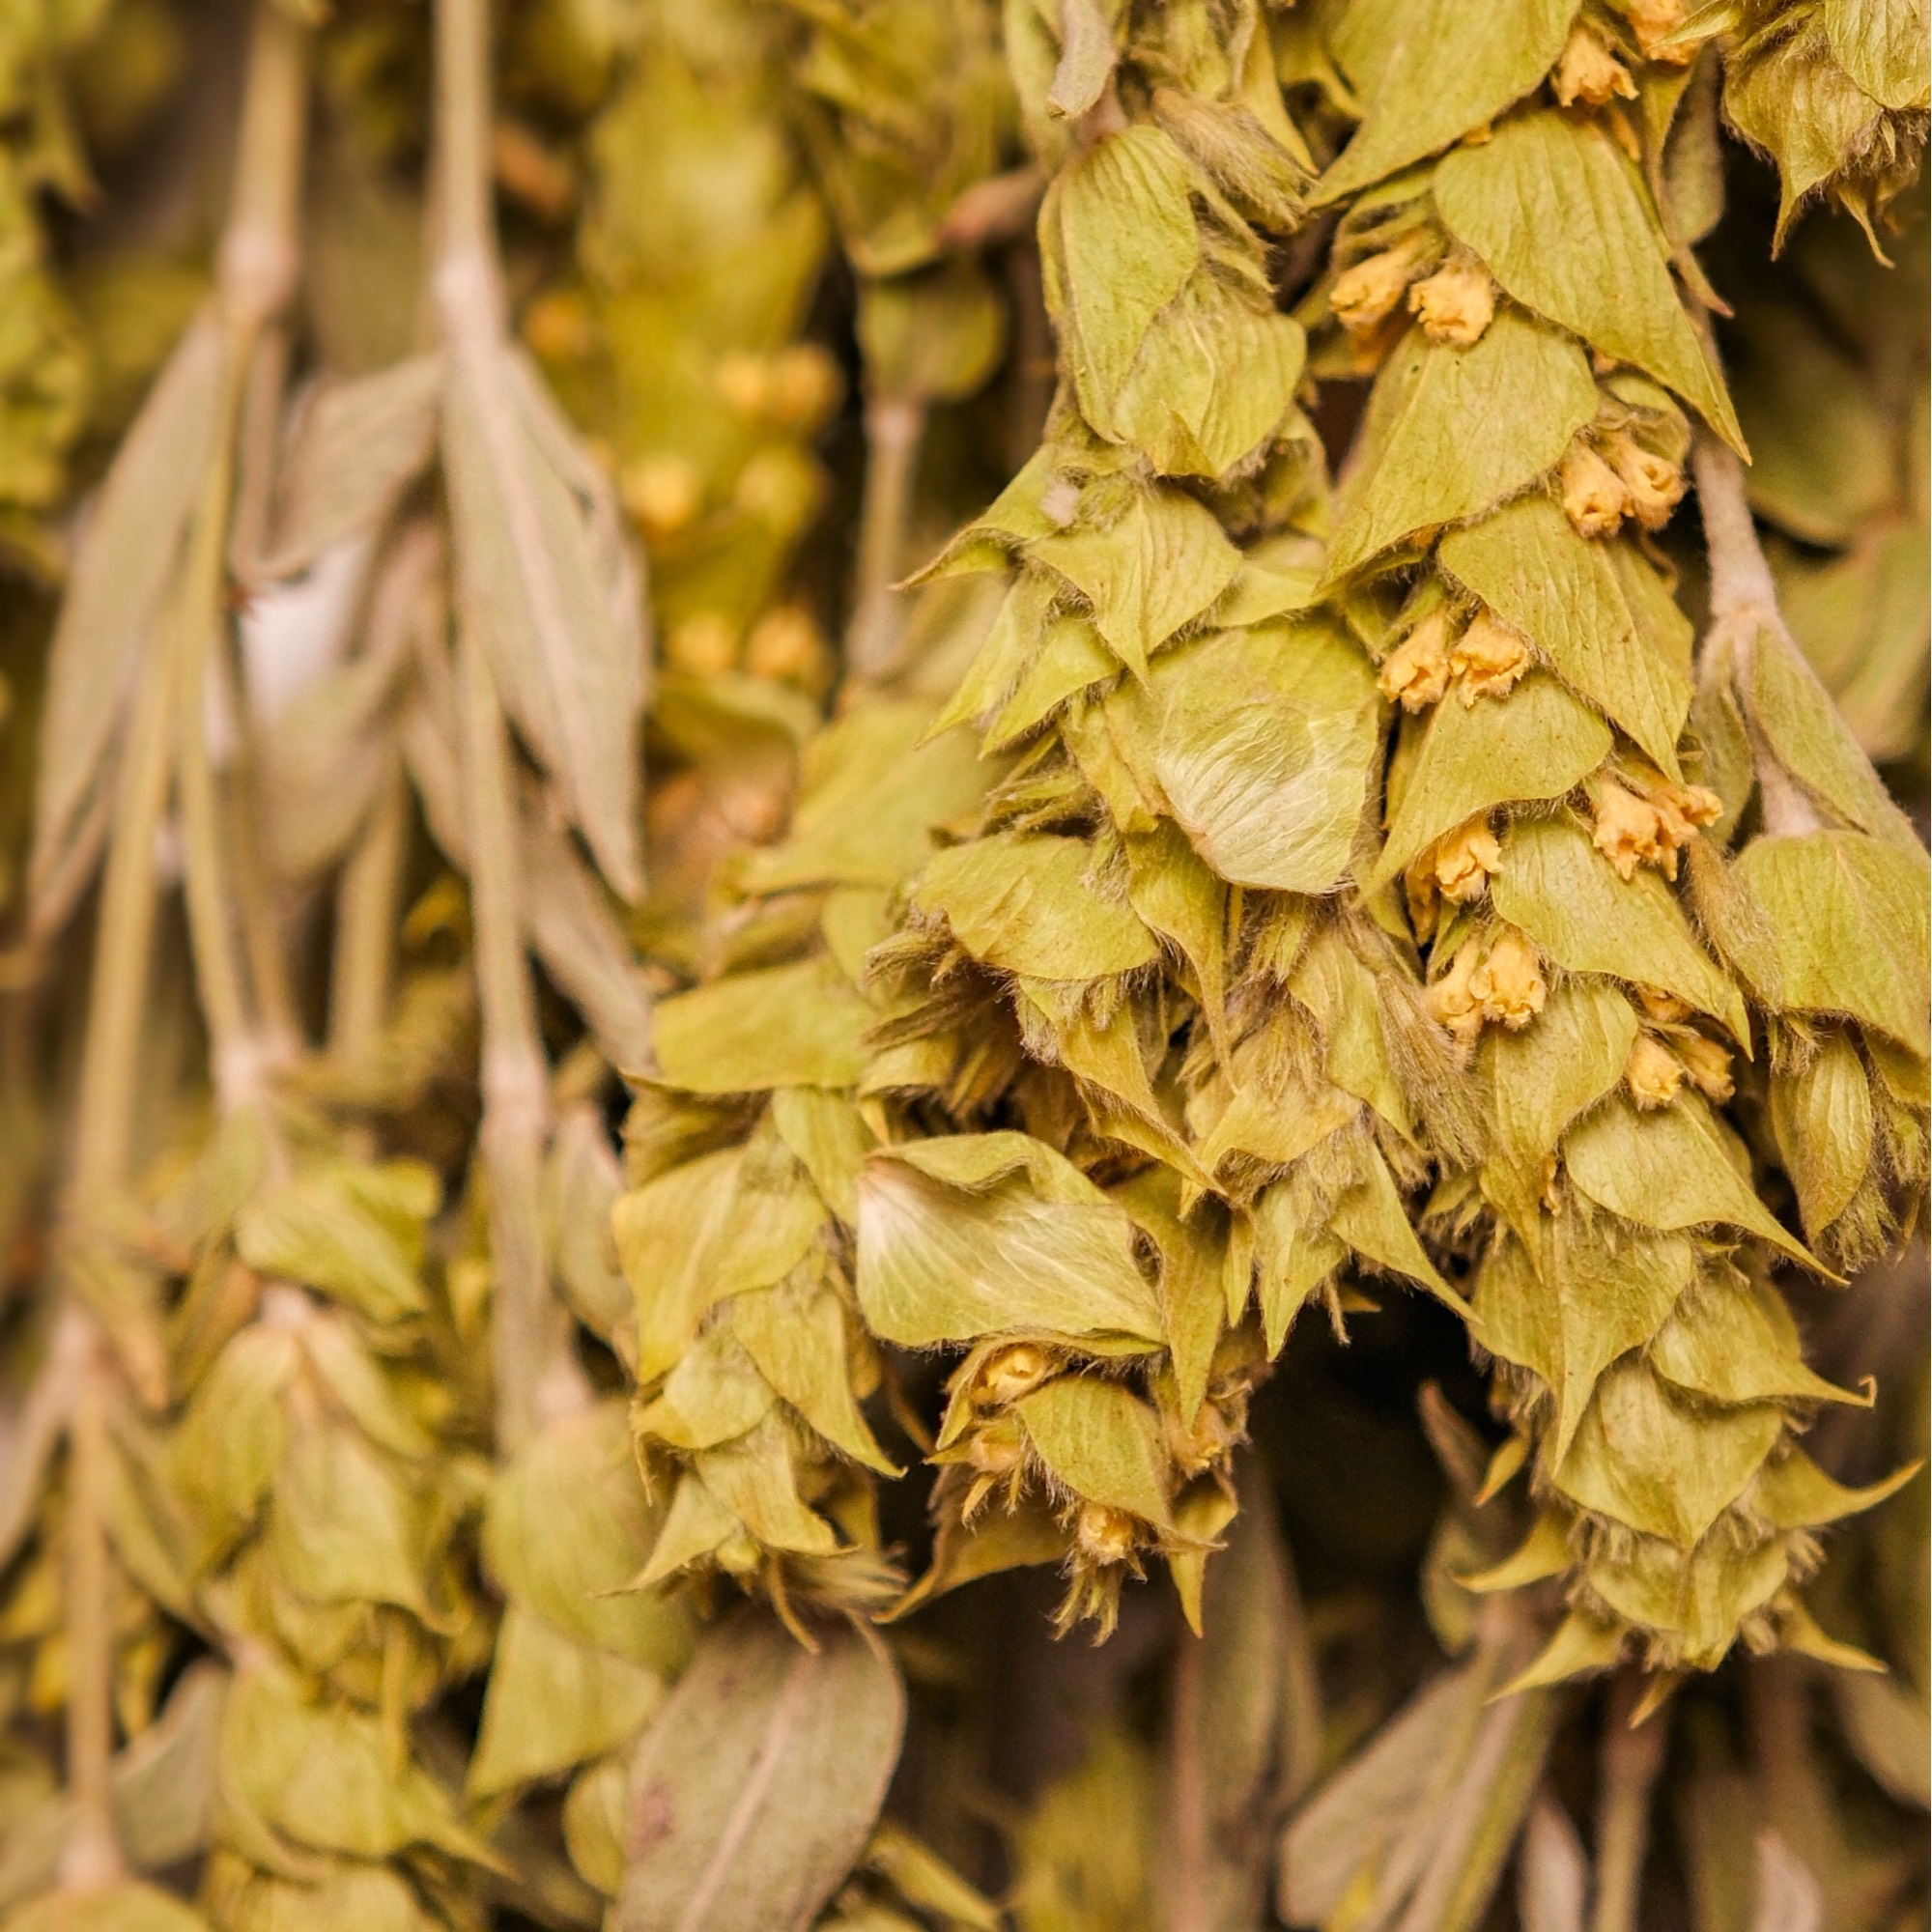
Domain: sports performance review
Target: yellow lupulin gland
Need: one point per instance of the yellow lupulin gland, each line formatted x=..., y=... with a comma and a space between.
x=1653, y=1073
x=705, y=644
x=745, y=382
x=1455, y=305
x=1450, y=1003
x=1011, y=1373
x=1680, y=808
x=1665, y=1008
x=1653, y=485
x=1708, y=1065
x=995, y=1456
x=1416, y=672
x=1201, y=1447
x=559, y=328
x=1461, y=862
x=805, y=386
x=1629, y=830
x=663, y=493
x=1654, y=21
x=1588, y=70
x=1509, y=985
x=1366, y=295
x=1594, y=495
x=1104, y=1534
x=784, y=645
x=1488, y=659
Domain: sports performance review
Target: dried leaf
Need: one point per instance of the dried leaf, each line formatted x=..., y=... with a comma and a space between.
x=1660, y=1462
x=1154, y=569
x=1561, y=891
x=1451, y=432
x=1543, y=178
x=1432, y=73
x=1029, y=905
x=1561, y=591
x=356, y=448
x=1102, y=1443
x=544, y=579
x=1538, y=743
x=989, y=1233
x=786, y=1026
x=1264, y=747
x=754, y=1790
x=1677, y=1167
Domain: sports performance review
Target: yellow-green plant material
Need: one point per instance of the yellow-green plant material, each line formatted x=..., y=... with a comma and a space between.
x=672, y=1106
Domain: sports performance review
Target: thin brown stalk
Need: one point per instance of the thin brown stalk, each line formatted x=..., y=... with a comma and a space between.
x=256, y=272
x=894, y=429
x=103, y=1135
x=1744, y=596
x=92, y=1855
x=233, y=1046
x=363, y=964
x=525, y=1324
x=1186, y=1880
x=528, y=1331
x=118, y=995
x=1628, y=1770
x=463, y=140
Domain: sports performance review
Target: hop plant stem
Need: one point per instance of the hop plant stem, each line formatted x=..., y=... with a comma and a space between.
x=92, y=1855
x=530, y=1347
x=407, y=606
x=1632, y=1758
x=524, y=1337
x=256, y=272
x=102, y=1140
x=895, y=428
x=1742, y=596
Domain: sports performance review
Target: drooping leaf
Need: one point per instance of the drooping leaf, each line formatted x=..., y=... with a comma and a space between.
x=356, y=448
x=1560, y=590
x=756, y=1786
x=989, y=1233
x=1451, y=432
x=1669, y=1169
x=1568, y=898
x=113, y=603
x=1262, y=748
x=1543, y=178
x=1432, y=73
x=1538, y=743
x=545, y=579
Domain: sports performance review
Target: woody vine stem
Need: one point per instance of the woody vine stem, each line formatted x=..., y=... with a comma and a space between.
x=257, y=260
x=1742, y=597
x=529, y=1348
